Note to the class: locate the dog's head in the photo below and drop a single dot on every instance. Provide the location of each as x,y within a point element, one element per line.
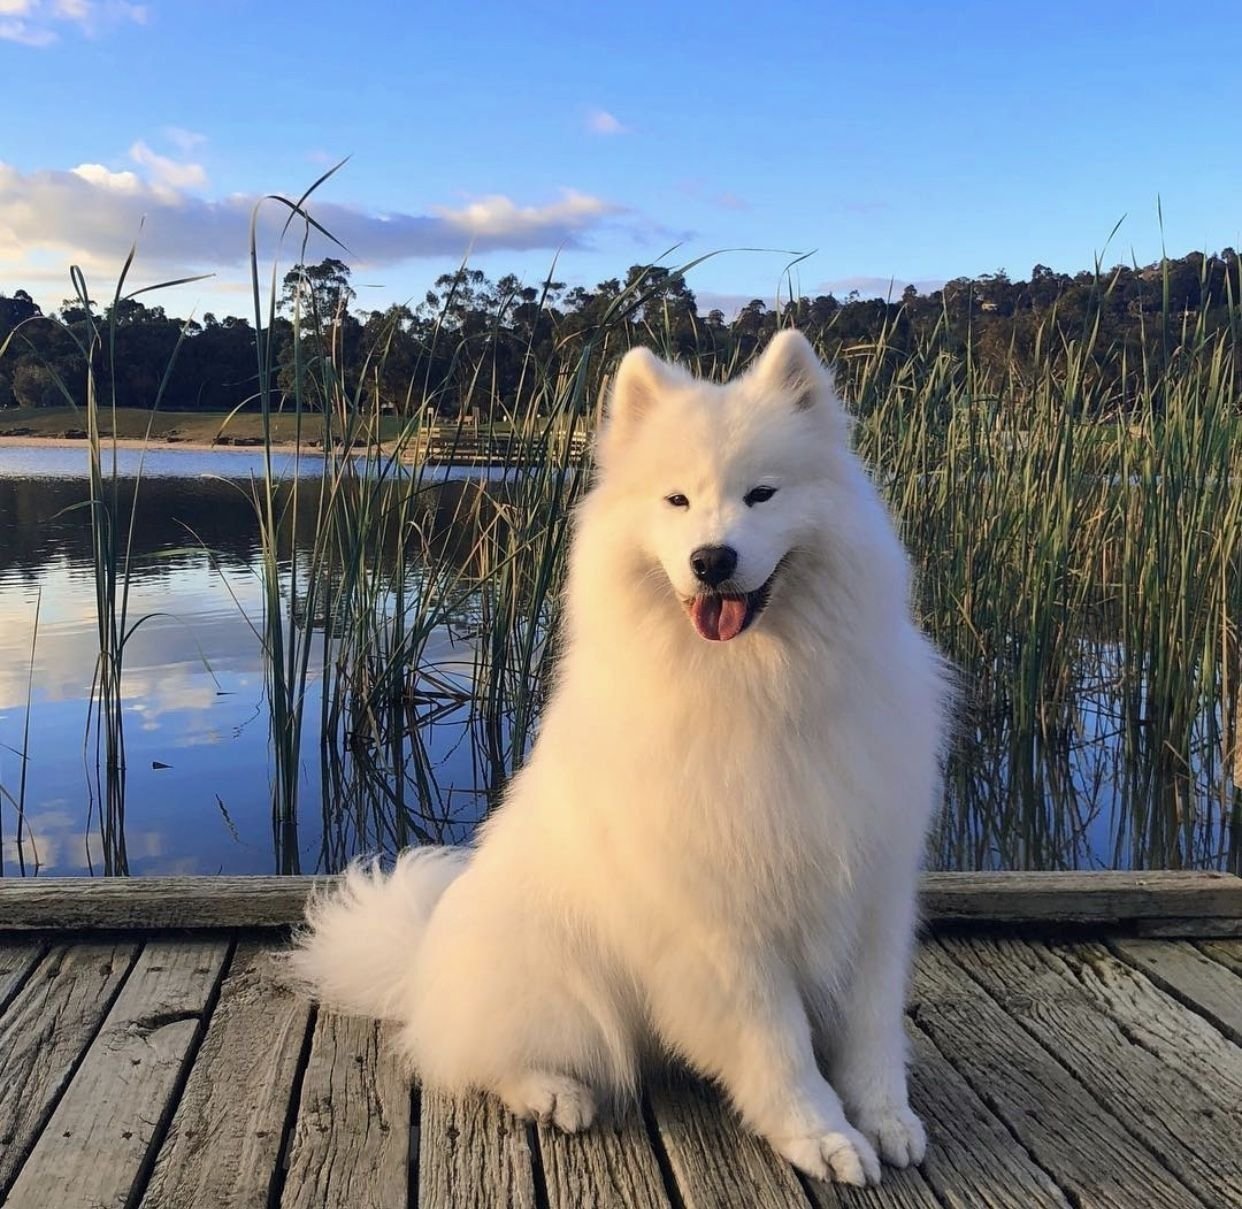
<point>721,485</point>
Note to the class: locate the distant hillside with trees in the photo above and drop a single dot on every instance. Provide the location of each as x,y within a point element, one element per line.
<point>470,341</point>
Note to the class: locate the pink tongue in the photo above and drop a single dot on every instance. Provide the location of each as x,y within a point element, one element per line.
<point>718,618</point>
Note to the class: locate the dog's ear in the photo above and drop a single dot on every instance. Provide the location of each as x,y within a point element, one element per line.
<point>790,370</point>
<point>640,380</point>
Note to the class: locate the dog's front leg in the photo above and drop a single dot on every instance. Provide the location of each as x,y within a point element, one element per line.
<point>739,1019</point>
<point>869,1053</point>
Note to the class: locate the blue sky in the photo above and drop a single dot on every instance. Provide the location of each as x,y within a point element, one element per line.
<point>916,141</point>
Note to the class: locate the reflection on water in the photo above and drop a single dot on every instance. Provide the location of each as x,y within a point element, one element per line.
<point>199,765</point>
<point>197,731</point>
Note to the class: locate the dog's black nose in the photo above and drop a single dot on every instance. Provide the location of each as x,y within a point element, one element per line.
<point>712,565</point>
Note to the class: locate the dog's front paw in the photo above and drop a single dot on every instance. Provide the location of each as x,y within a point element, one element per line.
<point>551,1099</point>
<point>896,1133</point>
<point>844,1156</point>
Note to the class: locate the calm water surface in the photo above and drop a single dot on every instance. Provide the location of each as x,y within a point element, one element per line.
<point>197,794</point>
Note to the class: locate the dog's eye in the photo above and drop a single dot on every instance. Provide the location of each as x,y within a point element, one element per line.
<point>758,495</point>
<point>677,500</point>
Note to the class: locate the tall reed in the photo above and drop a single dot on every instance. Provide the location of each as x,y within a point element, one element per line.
<point>1075,526</point>
<point>1074,516</point>
<point>381,567</point>
<point>112,510</point>
<point>1079,533</point>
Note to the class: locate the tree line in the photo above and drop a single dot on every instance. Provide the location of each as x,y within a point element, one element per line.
<point>474,344</point>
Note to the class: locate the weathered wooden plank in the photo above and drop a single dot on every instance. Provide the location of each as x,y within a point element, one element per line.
<point>223,1145</point>
<point>472,1155</point>
<point>716,1163</point>
<point>1191,977</point>
<point>1064,1129</point>
<point>16,963</point>
<point>1227,952</point>
<point>351,1144</point>
<point>972,1159</point>
<point>1191,928</point>
<point>87,903</point>
<point>897,1190</point>
<point>611,1166</point>
<point>94,1150</point>
<point>1155,1023</point>
<point>1062,998</point>
<point>44,1034</point>
<point>1172,897</point>
<point>1097,897</point>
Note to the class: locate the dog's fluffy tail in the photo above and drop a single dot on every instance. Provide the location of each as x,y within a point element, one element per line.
<point>360,937</point>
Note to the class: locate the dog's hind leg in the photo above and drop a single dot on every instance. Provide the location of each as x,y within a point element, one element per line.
<point>741,1020</point>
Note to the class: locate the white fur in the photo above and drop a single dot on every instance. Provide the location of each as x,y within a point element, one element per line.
<point>714,848</point>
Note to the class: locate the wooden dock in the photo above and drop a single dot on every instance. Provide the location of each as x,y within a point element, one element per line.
<point>1076,1041</point>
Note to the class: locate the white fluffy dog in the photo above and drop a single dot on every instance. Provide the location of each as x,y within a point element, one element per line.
<point>713,850</point>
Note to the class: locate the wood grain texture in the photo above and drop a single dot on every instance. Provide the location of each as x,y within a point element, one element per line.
<point>1085,1073</point>
<point>1099,897</point>
<point>44,1034</point>
<point>117,903</point>
<point>1156,1023</point>
<point>897,1190</point>
<point>715,1162</point>
<point>17,960</point>
<point>351,1143</point>
<point>1190,928</point>
<point>1061,1125</point>
<point>223,1145</point>
<point>472,1155</point>
<point>972,1159</point>
<point>1175,899</point>
<point>1086,1005</point>
<point>611,1166</point>
<point>94,1150</point>
<point>1227,952</point>
<point>1190,976</point>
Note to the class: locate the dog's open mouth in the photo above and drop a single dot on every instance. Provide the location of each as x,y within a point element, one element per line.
<point>719,616</point>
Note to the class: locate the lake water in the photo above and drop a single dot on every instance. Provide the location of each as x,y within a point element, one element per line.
<point>197,796</point>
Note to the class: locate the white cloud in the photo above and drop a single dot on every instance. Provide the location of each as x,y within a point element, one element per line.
<point>91,214</point>
<point>40,22</point>
<point>600,121</point>
<point>165,172</point>
<point>497,217</point>
<point>104,178</point>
